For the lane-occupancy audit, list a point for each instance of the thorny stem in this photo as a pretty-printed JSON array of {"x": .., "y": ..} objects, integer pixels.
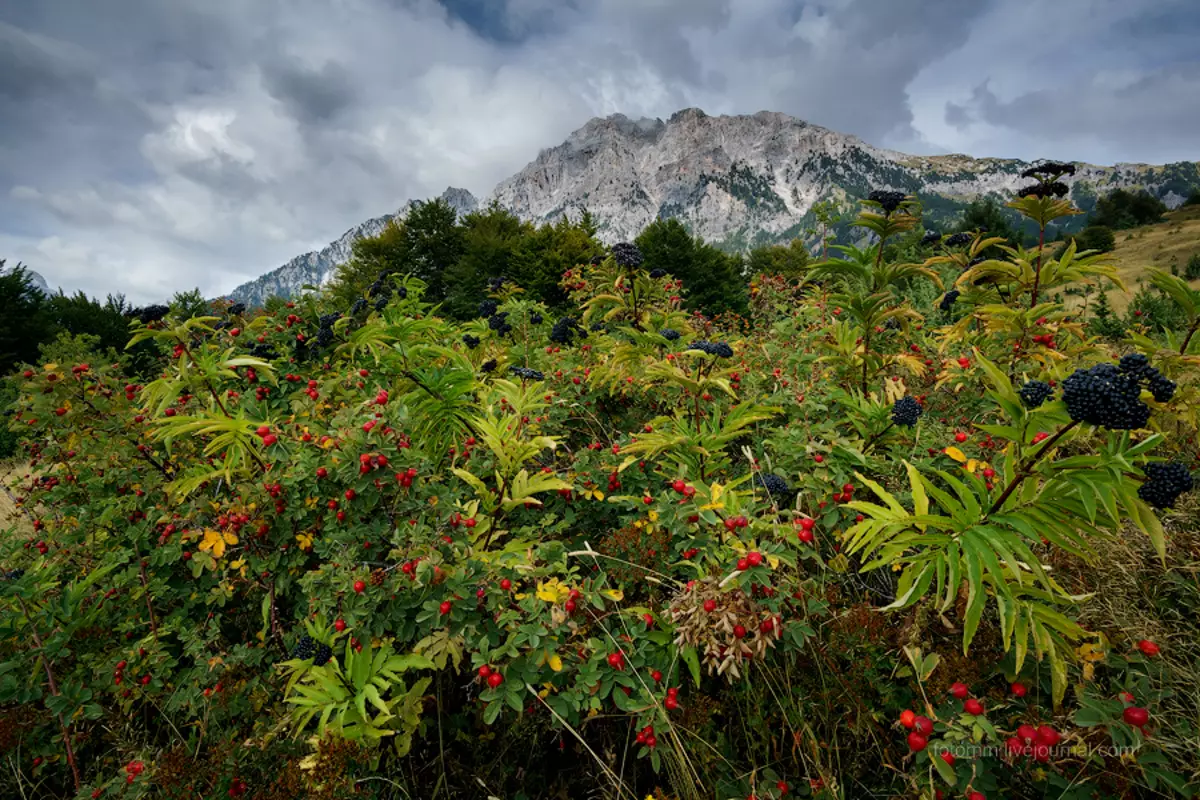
[
  {"x": 37, "y": 640},
  {"x": 1023, "y": 471}
]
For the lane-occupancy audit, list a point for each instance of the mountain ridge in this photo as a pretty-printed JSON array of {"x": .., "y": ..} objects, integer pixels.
[{"x": 736, "y": 180}]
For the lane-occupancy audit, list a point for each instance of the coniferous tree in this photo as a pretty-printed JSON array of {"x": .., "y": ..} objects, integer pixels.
[
  {"x": 712, "y": 279},
  {"x": 25, "y": 321}
]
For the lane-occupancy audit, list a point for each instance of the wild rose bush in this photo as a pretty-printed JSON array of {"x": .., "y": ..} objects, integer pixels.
[{"x": 322, "y": 549}]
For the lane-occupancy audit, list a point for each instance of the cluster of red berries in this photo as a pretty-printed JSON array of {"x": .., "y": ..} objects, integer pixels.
[
  {"x": 492, "y": 677},
  {"x": 646, "y": 736},
  {"x": 752, "y": 559},
  {"x": 264, "y": 433},
  {"x": 733, "y": 523}
]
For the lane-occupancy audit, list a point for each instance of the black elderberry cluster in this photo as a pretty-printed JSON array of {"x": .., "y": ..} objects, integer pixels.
[
  {"x": 670, "y": 334},
  {"x": 597, "y": 261},
  {"x": 1034, "y": 393},
  {"x": 598, "y": 327},
  {"x": 930, "y": 237},
  {"x": 957, "y": 240},
  {"x": 305, "y": 649},
  {"x": 906, "y": 411},
  {"x": 718, "y": 349},
  {"x": 776, "y": 486},
  {"x": 264, "y": 351},
  {"x": 149, "y": 313},
  {"x": 381, "y": 291},
  {"x": 13, "y": 575},
  {"x": 236, "y": 310},
  {"x": 494, "y": 284},
  {"x": 565, "y": 331},
  {"x": 488, "y": 308},
  {"x": 1048, "y": 170},
  {"x": 627, "y": 255},
  {"x": 658, "y": 273},
  {"x": 527, "y": 373},
  {"x": 889, "y": 201},
  {"x": 1137, "y": 366},
  {"x": 1051, "y": 189},
  {"x": 470, "y": 341},
  {"x": 360, "y": 305},
  {"x": 949, "y": 299},
  {"x": 535, "y": 318},
  {"x": 499, "y": 323},
  {"x": 1107, "y": 397},
  {"x": 891, "y": 324},
  {"x": 322, "y": 656},
  {"x": 1164, "y": 483},
  {"x": 488, "y": 365},
  {"x": 325, "y": 329}
]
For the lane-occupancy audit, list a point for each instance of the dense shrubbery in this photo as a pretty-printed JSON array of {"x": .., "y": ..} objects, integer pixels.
[{"x": 344, "y": 547}]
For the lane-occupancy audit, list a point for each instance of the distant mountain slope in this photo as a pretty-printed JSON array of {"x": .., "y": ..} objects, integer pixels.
[
  {"x": 737, "y": 181},
  {"x": 316, "y": 267}
]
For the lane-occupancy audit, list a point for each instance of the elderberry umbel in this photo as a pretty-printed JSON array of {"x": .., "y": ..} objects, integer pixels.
[
  {"x": 719, "y": 349},
  {"x": 1034, "y": 393},
  {"x": 948, "y": 299},
  {"x": 1106, "y": 397},
  {"x": 776, "y": 486},
  {"x": 906, "y": 411},
  {"x": 889, "y": 201},
  {"x": 1164, "y": 483},
  {"x": 627, "y": 255}
]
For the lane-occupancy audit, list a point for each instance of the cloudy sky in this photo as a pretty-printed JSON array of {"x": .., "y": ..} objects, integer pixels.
[{"x": 148, "y": 146}]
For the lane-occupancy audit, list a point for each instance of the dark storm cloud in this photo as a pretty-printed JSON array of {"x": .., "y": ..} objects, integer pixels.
[
  {"x": 150, "y": 146},
  {"x": 312, "y": 95}
]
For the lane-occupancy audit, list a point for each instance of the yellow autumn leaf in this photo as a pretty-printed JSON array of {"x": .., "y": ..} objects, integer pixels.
[
  {"x": 653, "y": 516},
  {"x": 552, "y": 591},
  {"x": 773, "y": 561},
  {"x": 613, "y": 594},
  {"x": 956, "y": 454},
  {"x": 305, "y": 540},
  {"x": 556, "y": 663},
  {"x": 433, "y": 500},
  {"x": 594, "y": 494},
  {"x": 972, "y": 465}
]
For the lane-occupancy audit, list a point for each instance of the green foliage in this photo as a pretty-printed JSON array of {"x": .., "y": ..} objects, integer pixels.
[
  {"x": 1191, "y": 272},
  {"x": 789, "y": 260},
  {"x": 25, "y": 321},
  {"x": 1097, "y": 237},
  {"x": 1121, "y": 209},
  {"x": 712, "y": 279},
  {"x": 656, "y": 541},
  {"x": 1104, "y": 321},
  {"x": 989, "y": 215}
]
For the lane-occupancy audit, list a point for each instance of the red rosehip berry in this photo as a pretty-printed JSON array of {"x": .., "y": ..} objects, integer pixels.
[
  {"x": 1136, "y": 716},
  {"x": 360, "y": 587},
  {"x": 959, "y": 690}
]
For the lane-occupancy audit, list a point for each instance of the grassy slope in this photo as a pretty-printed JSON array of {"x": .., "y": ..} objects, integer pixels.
[{"x": 1173, "y": 241}]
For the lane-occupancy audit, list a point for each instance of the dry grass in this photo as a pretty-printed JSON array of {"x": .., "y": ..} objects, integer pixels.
[
  {"x": 1136, "y": 598},
  {"x": 1161, "y": 245},
  {"x": 9, "y": 514}
]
